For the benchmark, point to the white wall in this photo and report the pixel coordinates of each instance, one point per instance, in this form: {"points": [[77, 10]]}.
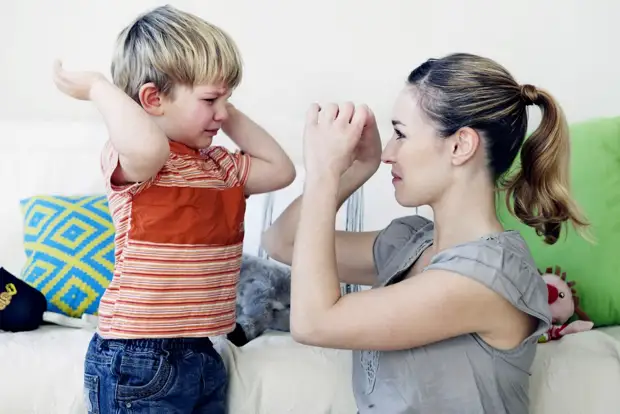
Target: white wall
{"points": [[298, 52]]}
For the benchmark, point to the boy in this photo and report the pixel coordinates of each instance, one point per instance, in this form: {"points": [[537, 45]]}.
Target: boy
{"points": [[178, 206]]}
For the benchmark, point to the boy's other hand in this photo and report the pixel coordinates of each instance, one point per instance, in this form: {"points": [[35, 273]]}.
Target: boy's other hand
{"points": [[75, 84]]}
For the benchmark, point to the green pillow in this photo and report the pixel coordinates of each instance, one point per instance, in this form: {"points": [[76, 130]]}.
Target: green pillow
{"points": [[595, 175]]}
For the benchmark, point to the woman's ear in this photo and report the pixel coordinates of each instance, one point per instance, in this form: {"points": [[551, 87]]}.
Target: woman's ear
{"points": [[151, 99], [464, 145]]}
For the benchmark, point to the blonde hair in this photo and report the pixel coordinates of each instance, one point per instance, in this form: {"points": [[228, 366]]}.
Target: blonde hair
{"points": [[464, 90], [170, 47]]}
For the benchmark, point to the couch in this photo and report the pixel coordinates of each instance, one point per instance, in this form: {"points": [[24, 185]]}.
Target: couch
{"points": [[41, 370]]}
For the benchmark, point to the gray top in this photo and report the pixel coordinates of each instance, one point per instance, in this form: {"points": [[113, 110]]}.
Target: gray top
{"points": [[463, 375]]}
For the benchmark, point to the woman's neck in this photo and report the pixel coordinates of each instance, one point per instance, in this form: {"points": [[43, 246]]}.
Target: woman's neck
{"points": [[465, 213]]}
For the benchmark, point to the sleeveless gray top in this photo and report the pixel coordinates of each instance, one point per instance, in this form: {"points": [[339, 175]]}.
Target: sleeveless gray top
{"points": [[462, 375]]}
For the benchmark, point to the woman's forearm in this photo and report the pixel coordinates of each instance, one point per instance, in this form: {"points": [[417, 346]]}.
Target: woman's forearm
{"points": [[279, 239], [315, 286]]}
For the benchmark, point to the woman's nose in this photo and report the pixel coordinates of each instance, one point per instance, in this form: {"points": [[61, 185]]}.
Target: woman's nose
{"points": [[388, 153]]}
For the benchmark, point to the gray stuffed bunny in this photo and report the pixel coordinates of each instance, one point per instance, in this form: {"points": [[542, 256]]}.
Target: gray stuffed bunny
{"points": [[263, 299]]}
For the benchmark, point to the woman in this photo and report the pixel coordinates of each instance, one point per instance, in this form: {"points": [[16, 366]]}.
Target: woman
{"points": [[452, 322]]}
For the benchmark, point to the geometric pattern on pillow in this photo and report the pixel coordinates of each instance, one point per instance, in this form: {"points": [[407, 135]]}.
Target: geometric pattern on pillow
{"points": [[69, 245]]}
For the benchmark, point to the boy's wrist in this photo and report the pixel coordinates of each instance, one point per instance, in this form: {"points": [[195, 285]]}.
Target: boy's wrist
{"points": [[235, 125], [233, 112]]}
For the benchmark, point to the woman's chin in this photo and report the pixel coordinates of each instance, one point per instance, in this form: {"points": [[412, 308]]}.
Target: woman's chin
{"points": [[406, 200], [400, 199]]}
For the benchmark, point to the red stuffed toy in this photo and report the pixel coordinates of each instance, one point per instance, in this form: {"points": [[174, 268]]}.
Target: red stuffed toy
{"points": [[564, 303]]}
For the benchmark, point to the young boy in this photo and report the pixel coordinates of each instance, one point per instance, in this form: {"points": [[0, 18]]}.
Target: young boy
{"points": [[178, 205]]}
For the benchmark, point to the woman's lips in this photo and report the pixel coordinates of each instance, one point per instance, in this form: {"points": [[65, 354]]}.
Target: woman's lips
{"points": [[395, 177]]}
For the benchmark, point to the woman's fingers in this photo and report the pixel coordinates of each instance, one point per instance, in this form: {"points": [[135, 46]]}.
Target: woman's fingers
{"points": [[312, 114], [345, 112], [328, 113], [359, 118]]}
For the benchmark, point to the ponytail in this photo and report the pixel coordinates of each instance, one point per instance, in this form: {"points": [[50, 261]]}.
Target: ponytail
{"points": [[540, 189]]}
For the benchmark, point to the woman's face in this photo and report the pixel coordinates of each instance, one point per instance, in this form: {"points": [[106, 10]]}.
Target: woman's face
{"points": [[420, 159]]}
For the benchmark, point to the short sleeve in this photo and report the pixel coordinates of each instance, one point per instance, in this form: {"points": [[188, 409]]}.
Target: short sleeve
{"points": [[394, 237], [508, 272], [109, 163], [242, 163]]}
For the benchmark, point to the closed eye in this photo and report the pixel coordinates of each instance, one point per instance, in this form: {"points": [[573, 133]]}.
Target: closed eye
{"points": [[210, 100]]}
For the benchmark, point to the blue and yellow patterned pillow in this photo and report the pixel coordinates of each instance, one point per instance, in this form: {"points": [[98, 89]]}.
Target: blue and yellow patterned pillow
{"points": [[69, 244]]}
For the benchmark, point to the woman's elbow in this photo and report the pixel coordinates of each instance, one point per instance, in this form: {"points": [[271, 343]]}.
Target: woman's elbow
{"points": [[303, 334], [301, 338], [272, 243]]}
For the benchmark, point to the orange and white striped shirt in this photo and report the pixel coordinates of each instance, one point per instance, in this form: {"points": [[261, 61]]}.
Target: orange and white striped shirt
{"points": [[179, 240]]}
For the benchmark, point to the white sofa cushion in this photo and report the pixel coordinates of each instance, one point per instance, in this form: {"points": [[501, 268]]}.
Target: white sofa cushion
{"points": [[275, 375], [577, 375]]}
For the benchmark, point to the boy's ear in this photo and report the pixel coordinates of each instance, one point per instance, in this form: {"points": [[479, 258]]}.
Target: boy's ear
{"points": [[150, 99]]}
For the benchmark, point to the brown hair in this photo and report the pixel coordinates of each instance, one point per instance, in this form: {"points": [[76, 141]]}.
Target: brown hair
{"points": [[464, 90]]}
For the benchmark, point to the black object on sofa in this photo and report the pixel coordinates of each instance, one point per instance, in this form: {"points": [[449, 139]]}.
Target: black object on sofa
{"points": [[21, 305]]}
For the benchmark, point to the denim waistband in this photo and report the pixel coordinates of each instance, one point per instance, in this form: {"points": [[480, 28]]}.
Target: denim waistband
{"points": [[165, 344]]}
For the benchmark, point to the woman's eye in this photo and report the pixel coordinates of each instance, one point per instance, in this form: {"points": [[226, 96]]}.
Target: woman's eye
{"points": [[209, 100], [398, 134]]}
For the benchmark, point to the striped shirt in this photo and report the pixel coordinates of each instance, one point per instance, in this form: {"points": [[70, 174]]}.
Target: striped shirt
{"points": [[178, 245]]}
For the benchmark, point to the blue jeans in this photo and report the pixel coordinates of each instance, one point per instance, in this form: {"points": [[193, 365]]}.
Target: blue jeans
{"points": [[154, 376]]}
